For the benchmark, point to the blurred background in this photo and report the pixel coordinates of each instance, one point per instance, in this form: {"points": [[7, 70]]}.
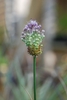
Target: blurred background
{"points": [[16, 65]]}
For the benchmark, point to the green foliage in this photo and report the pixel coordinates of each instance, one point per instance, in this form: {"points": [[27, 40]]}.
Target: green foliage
{"points": [[63, 23], [3, 59], [62, 19]]}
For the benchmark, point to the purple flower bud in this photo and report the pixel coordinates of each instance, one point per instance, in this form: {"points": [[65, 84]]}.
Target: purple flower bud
{"points": [[34, 23], [43, 31], [28, 29], [29, 25], [36, 27], [39, 26], [25, 29]]}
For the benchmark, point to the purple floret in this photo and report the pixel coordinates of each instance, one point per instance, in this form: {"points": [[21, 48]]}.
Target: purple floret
{"points": [[31, 27]]}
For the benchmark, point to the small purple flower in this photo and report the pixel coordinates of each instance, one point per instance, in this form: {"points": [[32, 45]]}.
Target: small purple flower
{"points": [[33, 22], [32, 26]]}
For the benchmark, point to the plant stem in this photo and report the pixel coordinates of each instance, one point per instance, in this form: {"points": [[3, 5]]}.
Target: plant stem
{"points": [[34, 76]]}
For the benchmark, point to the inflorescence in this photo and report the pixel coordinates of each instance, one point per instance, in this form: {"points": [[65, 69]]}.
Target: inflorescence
{"points": [[32, 35]]}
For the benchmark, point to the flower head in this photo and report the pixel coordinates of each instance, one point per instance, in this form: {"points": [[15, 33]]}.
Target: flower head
{"points": [[32, 35]]}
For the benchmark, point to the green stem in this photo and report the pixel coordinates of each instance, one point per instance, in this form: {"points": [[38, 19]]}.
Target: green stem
{"points": [[34, 76]]}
